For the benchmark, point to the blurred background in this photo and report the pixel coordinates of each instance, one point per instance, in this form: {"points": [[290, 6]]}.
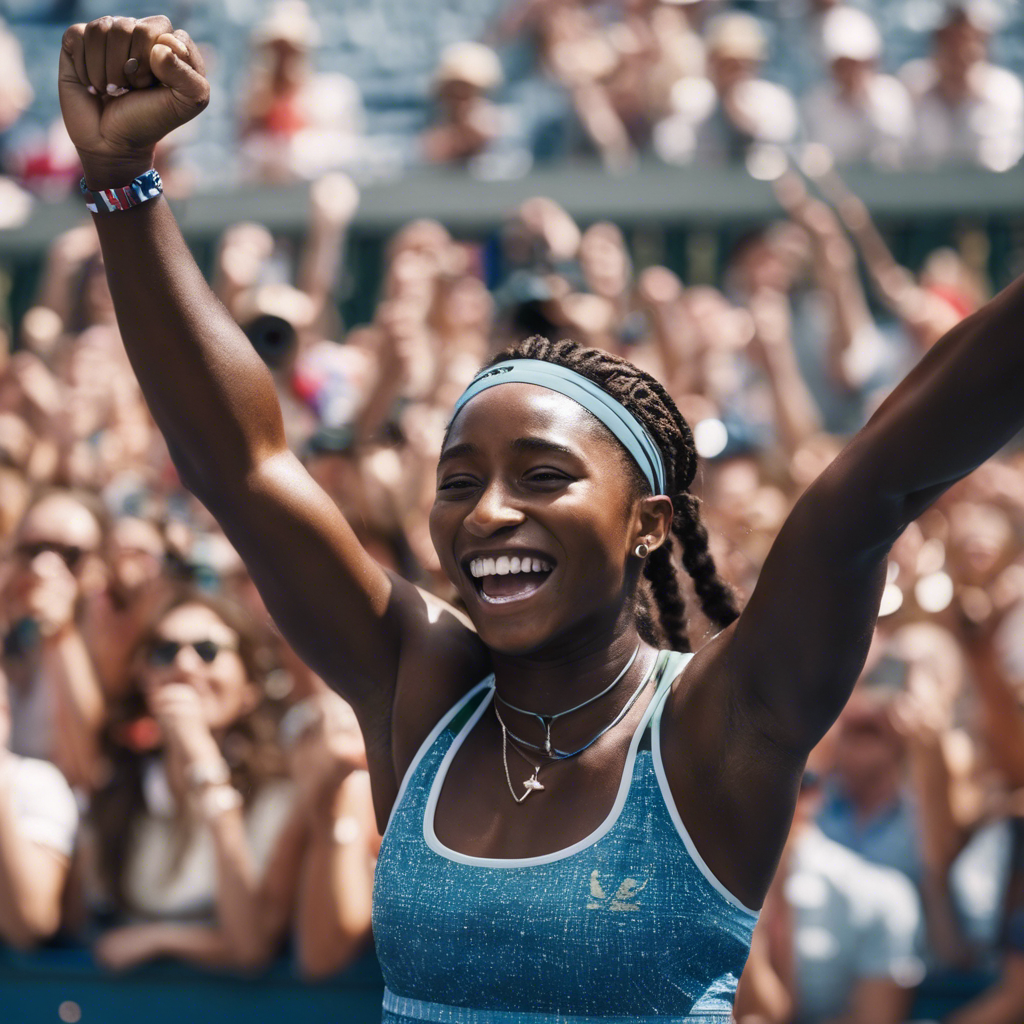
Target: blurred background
{"points": [[775, 206]]}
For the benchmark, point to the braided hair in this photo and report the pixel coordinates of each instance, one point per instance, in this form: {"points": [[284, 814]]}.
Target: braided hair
{"points": [[652, 405]]}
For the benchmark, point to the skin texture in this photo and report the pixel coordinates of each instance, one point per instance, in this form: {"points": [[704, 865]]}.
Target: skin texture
{"points": [[743, 716]]}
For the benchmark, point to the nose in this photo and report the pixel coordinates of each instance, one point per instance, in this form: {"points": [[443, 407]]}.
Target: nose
{"points": [[492, 512]]}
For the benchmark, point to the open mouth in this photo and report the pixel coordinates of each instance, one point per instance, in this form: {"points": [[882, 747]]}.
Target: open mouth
{"points": [[508, 578]]}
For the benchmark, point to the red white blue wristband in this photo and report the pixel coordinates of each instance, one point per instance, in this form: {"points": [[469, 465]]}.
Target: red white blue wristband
{"points": [[113, 200]]}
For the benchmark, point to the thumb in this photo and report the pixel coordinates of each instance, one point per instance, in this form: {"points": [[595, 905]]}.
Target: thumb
{"points": [[170, 61]]}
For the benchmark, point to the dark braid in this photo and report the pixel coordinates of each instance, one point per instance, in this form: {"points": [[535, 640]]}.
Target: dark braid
{"points": [[647, 399]]}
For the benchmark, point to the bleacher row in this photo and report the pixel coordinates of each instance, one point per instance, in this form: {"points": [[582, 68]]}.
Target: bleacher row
{"points": [[391, 47]]}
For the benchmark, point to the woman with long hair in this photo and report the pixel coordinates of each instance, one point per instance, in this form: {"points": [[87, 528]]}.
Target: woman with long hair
{"points": [[583, 815], [196, 796]]}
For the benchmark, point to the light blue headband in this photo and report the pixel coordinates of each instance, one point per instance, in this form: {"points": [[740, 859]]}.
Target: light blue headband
{"points": [[612, 413]]}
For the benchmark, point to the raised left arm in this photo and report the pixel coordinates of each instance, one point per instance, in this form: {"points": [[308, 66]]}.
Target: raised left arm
{"points": [[794, 654]]}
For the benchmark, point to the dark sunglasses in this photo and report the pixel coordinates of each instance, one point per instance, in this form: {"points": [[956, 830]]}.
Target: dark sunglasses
{"points": [[163, 652], [29, 549]]}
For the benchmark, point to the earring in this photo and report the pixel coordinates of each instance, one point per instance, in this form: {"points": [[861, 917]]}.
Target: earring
{"points": [[642, 550]]}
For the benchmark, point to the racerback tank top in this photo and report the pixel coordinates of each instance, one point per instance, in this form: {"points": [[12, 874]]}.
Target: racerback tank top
{"points": [[628, 924]]}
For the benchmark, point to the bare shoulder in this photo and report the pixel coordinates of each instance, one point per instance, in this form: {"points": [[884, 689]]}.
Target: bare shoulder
{"points": [[441, 658]]}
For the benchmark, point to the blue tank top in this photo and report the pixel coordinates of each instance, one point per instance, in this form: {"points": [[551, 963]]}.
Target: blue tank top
{"points": [[628, 924]]}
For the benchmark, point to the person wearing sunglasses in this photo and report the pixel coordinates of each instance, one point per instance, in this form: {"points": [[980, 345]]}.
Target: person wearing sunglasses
{"points": [[57, 704], [197, 796]]}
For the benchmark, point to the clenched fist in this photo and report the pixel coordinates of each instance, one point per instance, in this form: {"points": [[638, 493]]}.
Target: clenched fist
{"points": [[124, 84]]}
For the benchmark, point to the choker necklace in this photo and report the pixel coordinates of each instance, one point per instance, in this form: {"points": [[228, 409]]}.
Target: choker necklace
{"points": [[533, 783], [547, 720]]}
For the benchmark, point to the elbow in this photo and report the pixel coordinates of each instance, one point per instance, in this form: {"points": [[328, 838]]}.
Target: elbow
{"points": [[324, 958], [31, 925]]}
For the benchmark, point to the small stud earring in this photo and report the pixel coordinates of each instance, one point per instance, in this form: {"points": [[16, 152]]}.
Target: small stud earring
{"points": [[642, 550]]}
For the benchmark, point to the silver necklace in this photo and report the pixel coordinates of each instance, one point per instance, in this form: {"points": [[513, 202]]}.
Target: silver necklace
{"points": [[533, 783], [547, 720]]}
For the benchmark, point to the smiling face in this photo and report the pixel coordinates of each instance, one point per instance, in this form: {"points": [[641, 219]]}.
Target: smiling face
{"points": [[177, 652], [529, 475]]}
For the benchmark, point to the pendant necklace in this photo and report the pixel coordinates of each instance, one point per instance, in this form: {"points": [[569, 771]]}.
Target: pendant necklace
{"points": [[547, 720], [533, 783]]}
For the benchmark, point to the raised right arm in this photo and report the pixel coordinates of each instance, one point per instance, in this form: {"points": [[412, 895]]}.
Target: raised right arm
{"points": [[214, 400]]}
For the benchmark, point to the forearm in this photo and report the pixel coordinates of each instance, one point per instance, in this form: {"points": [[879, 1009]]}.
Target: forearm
{"points": [[955, 409], [208, 390], [78, 700], [334, 906], [29, 910], [239, 913], [1002, 714]]}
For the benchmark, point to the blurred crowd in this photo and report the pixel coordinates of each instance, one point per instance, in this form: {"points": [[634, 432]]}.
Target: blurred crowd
{"points": [[705, 82], [174, 782]]}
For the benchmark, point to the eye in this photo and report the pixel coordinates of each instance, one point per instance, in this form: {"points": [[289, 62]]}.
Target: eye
{"points": [[547, 476], [456, 484]]}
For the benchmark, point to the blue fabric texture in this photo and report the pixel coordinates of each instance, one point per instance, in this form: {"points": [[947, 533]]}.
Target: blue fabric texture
{"points": [[627, 924], [630, 432]]}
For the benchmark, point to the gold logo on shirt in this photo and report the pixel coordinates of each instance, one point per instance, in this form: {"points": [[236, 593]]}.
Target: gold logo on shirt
{"points": [[622, 900]]}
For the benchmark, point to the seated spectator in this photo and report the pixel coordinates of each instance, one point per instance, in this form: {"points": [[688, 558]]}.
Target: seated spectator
{"points": [[717, 119], [196, 797], [862, 115], [837, 935], [295, 123], [969, 111], [467, 122], [38, 824], [56, 702]]}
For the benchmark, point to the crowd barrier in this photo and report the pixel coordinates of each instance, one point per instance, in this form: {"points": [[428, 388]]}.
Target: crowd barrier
{"points": [[65, 986]]}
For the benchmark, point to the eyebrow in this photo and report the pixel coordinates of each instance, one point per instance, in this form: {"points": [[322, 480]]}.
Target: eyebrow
{"points": [[520, 444]]}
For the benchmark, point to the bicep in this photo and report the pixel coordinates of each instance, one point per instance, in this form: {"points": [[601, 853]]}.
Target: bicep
{"points": [[326, 594]]}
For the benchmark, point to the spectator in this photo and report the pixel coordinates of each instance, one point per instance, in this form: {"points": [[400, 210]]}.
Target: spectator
{"points": [[56, 702], [467, 122], [295, 123], [38, 824], [718, 119], [862, 115], [196, 798], [837, 935], [969, 111]]}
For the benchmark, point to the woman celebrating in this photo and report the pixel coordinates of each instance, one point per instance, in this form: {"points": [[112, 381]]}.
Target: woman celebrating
{"points": [[584, 833]]}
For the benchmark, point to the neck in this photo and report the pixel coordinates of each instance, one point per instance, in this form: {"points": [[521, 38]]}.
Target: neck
{"points": [[874, 795], [549, 682]]}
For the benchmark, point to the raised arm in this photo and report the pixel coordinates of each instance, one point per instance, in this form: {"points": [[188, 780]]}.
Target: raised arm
{"points": [[215, 403], [821, 583]]}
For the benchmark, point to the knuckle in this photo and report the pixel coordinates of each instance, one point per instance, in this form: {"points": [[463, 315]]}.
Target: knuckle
{"points": [[73, 34]]}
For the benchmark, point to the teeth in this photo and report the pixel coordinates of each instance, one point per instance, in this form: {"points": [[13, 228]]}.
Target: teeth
{"points": [[505, 565]]}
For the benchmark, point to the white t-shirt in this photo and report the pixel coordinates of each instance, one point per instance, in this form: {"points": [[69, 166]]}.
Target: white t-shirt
{"points": [[985, 129], [875, 128], [169, 873], [852, 920], [45, 808]]}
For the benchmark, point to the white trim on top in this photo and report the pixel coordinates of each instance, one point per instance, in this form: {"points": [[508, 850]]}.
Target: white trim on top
{"points": [[429, 742], [435, 844], [670, 804]]}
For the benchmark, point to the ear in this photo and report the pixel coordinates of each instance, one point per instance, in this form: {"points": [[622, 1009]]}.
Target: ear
{"points": [[653, 521]]}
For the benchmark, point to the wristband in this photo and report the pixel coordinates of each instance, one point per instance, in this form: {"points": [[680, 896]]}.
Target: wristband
{"points": [[112, 200]]}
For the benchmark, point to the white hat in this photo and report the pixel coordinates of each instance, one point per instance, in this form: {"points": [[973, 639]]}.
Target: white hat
{"points": [[735, 35], [469, 62], [847, 32], [290, 22]]}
